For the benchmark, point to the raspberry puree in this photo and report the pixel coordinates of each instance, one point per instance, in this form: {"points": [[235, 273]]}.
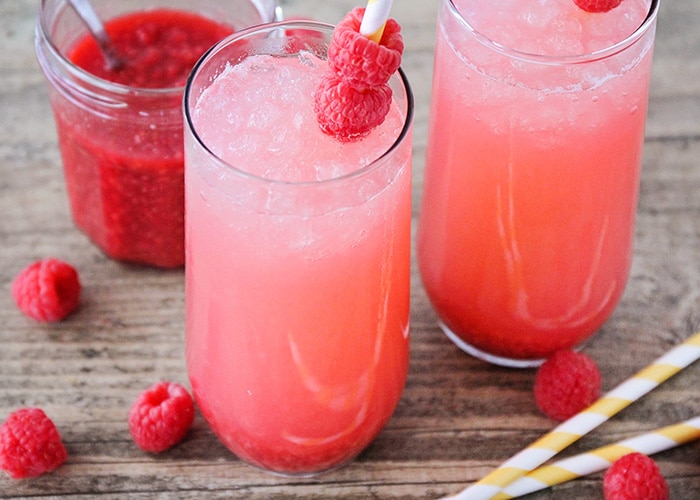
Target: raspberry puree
{"points": [[159, 47], [124, 163]]}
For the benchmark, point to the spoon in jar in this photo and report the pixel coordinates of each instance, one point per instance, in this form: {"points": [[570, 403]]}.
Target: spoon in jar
{"points": [[87, 13]]}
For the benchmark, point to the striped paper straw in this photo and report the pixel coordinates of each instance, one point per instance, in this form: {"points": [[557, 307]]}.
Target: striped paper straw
{"points": [[374, 20], [573, 429], [602, 458]]}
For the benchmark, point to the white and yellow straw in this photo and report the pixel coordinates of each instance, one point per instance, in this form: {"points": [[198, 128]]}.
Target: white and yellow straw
{"points": [[374, 19], [577, 426], [601, 458]]}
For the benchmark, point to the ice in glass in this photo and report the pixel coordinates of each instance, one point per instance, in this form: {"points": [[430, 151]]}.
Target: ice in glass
{"points": [[297, 273]]}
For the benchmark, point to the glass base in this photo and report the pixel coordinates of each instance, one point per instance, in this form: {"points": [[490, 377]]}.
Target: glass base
{"points": [[296, 475], [485, 356]]}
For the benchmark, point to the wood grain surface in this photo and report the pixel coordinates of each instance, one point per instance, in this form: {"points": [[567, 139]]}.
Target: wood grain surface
{"points": [[459, 417]]}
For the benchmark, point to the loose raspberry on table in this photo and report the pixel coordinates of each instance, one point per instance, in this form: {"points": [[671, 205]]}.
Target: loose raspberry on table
{"points": [[597, 5], [360, 61], [161, 416], [30, 444], [47, 290], [566, 384], [633, 477]]}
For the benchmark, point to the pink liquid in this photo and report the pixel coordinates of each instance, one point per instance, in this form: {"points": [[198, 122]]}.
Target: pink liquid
{"points": [[297, 320], [532, 174]]}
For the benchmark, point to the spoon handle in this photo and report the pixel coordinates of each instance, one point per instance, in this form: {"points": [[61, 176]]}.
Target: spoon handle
{"points": [[87, 13]]}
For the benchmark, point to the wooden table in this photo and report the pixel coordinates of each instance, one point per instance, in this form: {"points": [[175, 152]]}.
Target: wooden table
{"points": [[459, 417]]}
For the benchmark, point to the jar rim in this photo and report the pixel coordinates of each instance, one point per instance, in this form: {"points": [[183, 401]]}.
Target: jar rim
{"points": [[48, 13]]}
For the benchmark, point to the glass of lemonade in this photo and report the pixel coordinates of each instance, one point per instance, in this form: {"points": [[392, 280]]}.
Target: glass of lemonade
{"points": [[297, 269], [120, 128], [532, 171]]}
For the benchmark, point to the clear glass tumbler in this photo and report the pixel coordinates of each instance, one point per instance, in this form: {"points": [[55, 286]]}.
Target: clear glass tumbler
{"points": [[532, 171], [298, 256], [121, 144]]}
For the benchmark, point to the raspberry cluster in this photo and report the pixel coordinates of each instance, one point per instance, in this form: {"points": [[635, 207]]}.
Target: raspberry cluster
{"points": [[354, 97]]}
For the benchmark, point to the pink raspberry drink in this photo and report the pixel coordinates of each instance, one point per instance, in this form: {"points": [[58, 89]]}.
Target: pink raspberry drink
{"points": [[297, 270], [532, 171]]}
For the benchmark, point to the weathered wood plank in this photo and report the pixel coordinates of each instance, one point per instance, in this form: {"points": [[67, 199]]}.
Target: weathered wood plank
{"points": [[458, 419]]}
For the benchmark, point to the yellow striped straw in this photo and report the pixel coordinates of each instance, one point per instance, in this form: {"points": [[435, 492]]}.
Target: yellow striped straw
{"points": [[577, 426], [374, 19], [601, 458]]}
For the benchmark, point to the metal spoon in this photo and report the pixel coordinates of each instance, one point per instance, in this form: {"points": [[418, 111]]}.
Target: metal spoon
{"points": [[87, 13]]}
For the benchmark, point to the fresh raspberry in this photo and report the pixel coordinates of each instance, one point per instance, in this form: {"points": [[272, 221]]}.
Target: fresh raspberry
{"points": [[597, 5], [161, 416], [347, 113], [47, 290], [30, 444], [566, 384], [360, 61], [633, 477]]}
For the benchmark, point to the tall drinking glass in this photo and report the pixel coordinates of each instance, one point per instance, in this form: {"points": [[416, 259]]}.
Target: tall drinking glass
{"points": [[120, 131], [297, 271], [532, 171]]}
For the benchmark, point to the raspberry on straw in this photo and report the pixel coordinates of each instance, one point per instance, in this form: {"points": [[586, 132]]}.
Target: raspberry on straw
{"points": [[353, 98], [30, 444], [360, 61], [348, 112]]}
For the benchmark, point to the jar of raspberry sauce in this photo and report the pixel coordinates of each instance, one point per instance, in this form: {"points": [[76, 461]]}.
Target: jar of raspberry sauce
{"points": [[120, 128]]}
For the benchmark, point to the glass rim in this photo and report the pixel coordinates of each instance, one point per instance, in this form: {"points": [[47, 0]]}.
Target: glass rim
{"points": [[271, 27], [101, 83], [555, 60]]}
